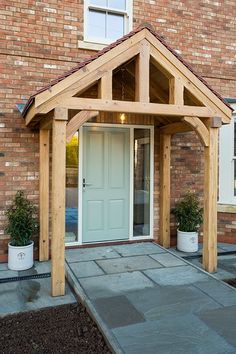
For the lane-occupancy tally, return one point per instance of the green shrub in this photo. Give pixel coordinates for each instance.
(188, 214)
(22, 223)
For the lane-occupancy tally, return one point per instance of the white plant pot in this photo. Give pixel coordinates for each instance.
(20, 257)
(187, 241)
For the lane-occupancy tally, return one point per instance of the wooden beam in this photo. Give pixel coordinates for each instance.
(58, 201)
(165, 149)
(216, 122)
(142, 73)
(199, 127)
(175, 128)
(105, 87)
(77, 121)
(176, 91)
(210, 203)
(90, 104)
(44, 136)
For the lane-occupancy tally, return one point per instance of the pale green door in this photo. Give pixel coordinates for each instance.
(106, 181)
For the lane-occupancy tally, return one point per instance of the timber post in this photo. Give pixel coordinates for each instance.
(58, 200)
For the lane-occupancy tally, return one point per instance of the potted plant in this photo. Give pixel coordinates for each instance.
(22, 225)
(189, 217)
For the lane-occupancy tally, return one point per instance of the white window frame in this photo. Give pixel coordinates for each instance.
(128, 21)
(226, 162)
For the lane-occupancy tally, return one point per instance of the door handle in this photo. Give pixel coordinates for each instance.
(86, 184)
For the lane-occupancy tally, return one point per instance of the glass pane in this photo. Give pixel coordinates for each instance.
(234, 177)
(96, 24)
(115, 26)
(235, 137)
(117, 4)
(72, 153)
(98, 2)
(141, 182)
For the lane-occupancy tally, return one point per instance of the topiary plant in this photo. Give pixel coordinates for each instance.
(22, 223)
(188, 214)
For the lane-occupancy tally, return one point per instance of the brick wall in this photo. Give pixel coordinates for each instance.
(39, 42)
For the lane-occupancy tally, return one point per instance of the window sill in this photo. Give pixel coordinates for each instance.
(226, 208)
(91, 45)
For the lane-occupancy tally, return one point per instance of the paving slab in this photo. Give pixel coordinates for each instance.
(29, 295)
(3, 266)
(128, 264)
(86, 269)
(168, 260)
(138, 249)
(157, 303)
(114, 284)
(228, 247)
(180, 276)
(118, 311)
(177, 335)
(223, 321)
(90, 254)
(220, 292)
(8, 274)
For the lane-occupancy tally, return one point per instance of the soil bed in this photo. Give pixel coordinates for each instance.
(62, 329)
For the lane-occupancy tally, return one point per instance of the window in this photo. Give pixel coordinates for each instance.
(106, 20)
(227, 162)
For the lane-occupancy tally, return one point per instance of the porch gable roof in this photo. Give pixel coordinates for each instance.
(52, 90)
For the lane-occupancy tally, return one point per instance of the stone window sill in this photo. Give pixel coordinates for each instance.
(226, 208)
(91, 45)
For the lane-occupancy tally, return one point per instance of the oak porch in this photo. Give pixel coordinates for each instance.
(63, 109)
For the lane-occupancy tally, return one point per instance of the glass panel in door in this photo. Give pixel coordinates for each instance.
(141, 222)
(72, 163)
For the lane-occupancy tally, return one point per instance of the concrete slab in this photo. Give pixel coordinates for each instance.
(223, 321)
(180, 276)
(118, 311)
(178, 335)
(90, 254)
(86, 269)
(114, 284)
(157, 303)
(138, 249)
(30, 295)
(168, 260)
(128, 264)
(218, 291)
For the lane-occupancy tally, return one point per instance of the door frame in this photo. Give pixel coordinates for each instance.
(131, 128)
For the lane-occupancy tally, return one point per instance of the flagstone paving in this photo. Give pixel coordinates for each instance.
(146, 299)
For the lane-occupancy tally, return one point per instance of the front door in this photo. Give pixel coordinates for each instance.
(106, 184)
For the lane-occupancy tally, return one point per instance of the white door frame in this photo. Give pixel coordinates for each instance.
(131, 204)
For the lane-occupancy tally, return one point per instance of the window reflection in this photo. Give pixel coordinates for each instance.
(72, 163)
(141, 225)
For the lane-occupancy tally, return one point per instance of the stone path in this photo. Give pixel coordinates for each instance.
(148, 300)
